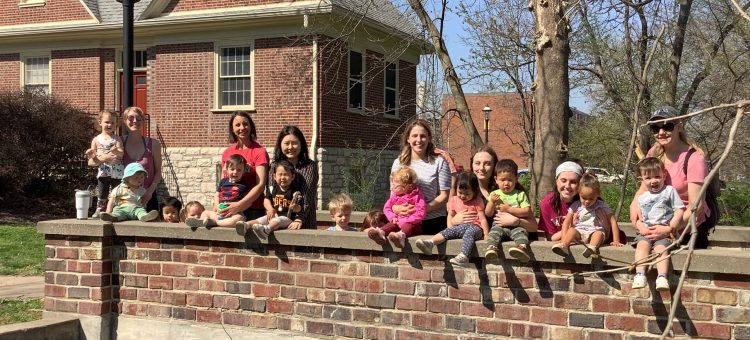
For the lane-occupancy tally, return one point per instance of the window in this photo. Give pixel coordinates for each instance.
(356, 90)
(140, 59)
(36, 74)
(30, 3)
(391, 89)
(234, 85)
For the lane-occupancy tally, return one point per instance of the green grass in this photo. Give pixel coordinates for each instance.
(21, 251)
(22, 310)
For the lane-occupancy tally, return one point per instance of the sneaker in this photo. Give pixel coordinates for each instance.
(193, 222)
(639, 281)
(241, 228)
(107, 217)
(377, 235)
(491, 255)
(96, 213)
(150, 216)
(398, 239)
(260, 230)
(561, 250)
(590, 250)
(519, 254)
(425, 246)
(460, 260)
(662, 284)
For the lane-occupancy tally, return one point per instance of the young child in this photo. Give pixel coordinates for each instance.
(466, 199)
(192, 209)
(109, 174)
(510, 198)
(404, 190)
(374, 220)
(660, 206)
(170, 210)
(124, 202)
(283, 203)
(340, 207)
(230, 189)
(591, 218)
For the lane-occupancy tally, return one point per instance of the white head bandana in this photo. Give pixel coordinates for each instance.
(568, 166)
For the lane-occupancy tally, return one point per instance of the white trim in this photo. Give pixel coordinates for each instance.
(362, 81)
(293, 6)
(397, 103)
(22, 67)
(217, 105)
(30, 3)
(88, 10)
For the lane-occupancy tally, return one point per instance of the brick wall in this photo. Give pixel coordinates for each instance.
(195, 5)
(52, 11)
(364, 292)
(81, 77)
(10, 72)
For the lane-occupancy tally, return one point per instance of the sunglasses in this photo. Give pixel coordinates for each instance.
(668, 127)
(134, 119)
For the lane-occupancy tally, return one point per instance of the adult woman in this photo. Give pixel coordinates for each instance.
(672, 148)
(433, 174)
(243, 134)
(483, 165)
(143, 150)
(554, 206)
(291, 146)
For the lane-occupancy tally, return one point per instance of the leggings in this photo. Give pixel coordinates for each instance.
(408, 229)
(466, 231)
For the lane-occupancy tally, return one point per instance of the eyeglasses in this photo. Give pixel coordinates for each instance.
(134, 119)
(668, 127)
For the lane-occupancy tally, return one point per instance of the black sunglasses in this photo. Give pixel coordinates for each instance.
(668, 127)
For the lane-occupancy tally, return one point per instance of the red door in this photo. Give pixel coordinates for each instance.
(140, 90)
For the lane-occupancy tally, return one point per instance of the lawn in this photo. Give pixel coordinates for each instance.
(22, 310)
(21, 250)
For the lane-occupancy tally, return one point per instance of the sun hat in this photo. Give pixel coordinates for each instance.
(664, 112)
(132, 169)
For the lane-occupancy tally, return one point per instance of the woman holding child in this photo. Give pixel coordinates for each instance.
(243, 135)
(674, 150)
(554, 207)
(292, 147)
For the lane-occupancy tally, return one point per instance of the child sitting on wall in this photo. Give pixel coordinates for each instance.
(124, 203)
(340, 206)
(230, 189)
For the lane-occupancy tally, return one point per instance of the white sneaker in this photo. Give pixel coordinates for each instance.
(662, 283)
(561, 250)
(150, 216)
(425, 246)
(639, 281)
(260, 230)
(460, 260)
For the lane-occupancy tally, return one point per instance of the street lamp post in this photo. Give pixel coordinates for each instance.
(486, 111)
(127, 54)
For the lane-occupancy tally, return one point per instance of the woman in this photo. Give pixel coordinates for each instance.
(291, 146)
(243, 134)
(483, 165)
(554, 207)
(143, 150)
(433, 174)
(672, 147)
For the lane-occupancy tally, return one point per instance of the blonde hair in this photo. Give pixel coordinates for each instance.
(404, 175)
(658, 151)
(340, 203)
(183, 212)
(134, 109)
(405, 157)
(112, 113)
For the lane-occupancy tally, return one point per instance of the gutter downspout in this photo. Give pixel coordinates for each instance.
(315, 118)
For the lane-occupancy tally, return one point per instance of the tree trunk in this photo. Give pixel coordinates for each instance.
(676, 58)
(552, 92)
(450, 73)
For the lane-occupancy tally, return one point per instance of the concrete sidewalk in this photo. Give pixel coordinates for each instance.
(14, 287)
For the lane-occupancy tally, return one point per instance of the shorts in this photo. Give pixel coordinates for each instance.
(663, 242)
(586, 234)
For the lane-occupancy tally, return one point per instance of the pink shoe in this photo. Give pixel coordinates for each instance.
(377, 235)
(398, 239)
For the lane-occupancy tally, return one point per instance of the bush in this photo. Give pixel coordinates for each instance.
(42, 146)
(735, 204)
(611, 195)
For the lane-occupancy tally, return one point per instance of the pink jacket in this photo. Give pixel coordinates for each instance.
(414, 197)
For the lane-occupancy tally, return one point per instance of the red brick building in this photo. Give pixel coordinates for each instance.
(506, 127)
(344, 71)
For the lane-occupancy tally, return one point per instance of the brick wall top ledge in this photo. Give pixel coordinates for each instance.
(715, 260)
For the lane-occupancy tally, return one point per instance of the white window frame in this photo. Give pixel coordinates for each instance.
(24, 61)
(218, 105)
(349, 80)
(30, 3)
(394, 89)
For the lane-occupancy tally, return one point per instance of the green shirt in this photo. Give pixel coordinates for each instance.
(515, 199)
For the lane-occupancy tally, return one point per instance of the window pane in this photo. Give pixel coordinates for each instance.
(37, 71)
(390, 76)
(234, 71)
(355, 94)
(355, 64)
(390, 99)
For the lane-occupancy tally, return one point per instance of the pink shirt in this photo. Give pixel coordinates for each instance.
(477, 204)
(255, 155)
(415, 198)
(697, 171)
(550, 220)
(147, 160)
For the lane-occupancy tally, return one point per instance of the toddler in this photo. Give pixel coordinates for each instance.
(124, 203)
(170, 210)
(592, 219)
(192, 209)
(466, 199)
(404, 190)
(660, 206)
(509, 198)
(230, 189)
(340, 207)
(374, 220)
(283, 203)
(109, 173)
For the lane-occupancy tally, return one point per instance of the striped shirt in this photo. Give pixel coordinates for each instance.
(432, 178)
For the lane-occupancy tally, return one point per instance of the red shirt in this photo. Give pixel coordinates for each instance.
(551, 220)
(255, 155)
